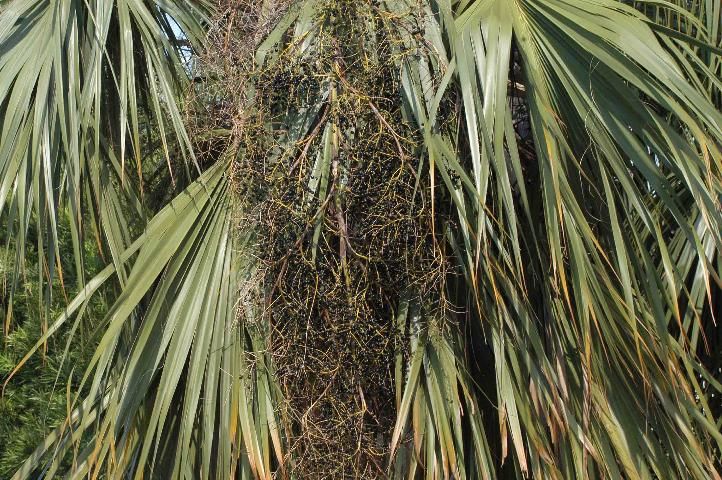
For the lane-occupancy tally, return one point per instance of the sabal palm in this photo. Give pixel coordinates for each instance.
(586, 253)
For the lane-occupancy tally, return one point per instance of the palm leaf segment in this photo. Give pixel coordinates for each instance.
(81, 83)
(579, 320)
(575, 285)
(590, 295)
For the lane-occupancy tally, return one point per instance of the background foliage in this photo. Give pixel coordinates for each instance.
(35, 402)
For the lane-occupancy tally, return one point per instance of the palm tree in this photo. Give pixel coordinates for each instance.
(444, 239)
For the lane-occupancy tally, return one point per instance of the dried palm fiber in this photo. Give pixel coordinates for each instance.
(345, 221)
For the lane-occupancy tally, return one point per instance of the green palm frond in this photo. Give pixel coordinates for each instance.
(437, 408)
(191, 387)
(582, 316)
(79, 83)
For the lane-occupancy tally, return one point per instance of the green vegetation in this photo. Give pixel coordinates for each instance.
(361, 239)
(35, 402)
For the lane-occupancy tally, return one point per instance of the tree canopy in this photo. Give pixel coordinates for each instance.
(368, 238)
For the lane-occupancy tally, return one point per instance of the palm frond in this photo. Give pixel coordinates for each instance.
(79, 81)
(575, 284)
(191, 390)
(439, 428)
